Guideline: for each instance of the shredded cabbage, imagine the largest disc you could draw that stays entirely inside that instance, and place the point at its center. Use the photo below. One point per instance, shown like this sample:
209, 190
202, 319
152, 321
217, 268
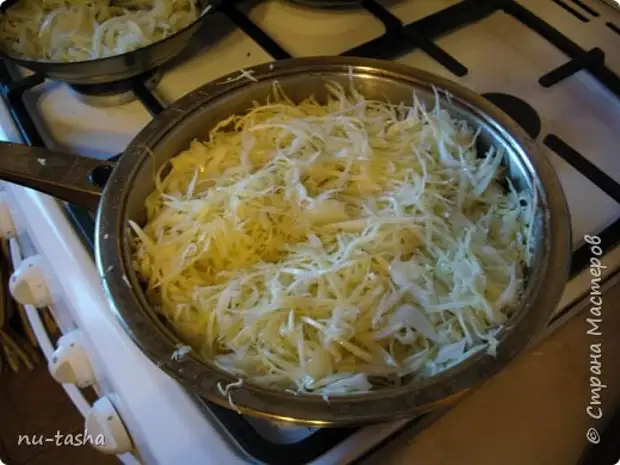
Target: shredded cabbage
336, 248
80, 30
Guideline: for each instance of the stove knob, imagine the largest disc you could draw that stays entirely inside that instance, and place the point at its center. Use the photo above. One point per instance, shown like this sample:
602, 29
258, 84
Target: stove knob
69, 363
7, 226
27, 285
105, 430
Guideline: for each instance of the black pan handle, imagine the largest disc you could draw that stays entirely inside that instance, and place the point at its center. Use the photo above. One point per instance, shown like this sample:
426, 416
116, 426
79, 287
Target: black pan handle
74, 178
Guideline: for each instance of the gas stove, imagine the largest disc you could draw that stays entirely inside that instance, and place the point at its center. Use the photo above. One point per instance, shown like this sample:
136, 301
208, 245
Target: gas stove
553, 66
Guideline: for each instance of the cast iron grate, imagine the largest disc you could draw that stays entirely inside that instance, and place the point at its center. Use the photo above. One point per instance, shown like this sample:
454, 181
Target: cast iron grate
397, 39
571, 10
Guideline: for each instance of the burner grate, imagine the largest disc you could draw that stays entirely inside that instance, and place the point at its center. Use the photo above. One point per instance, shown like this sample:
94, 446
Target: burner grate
13, 92
571, 10
596, 67
589, 60
256, 33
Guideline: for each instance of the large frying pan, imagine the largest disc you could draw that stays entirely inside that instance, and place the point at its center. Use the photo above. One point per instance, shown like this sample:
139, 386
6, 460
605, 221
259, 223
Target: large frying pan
132, 179
118, 67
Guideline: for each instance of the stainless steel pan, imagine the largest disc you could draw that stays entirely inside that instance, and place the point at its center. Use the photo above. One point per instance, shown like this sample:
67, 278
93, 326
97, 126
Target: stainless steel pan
131, 180
118, 67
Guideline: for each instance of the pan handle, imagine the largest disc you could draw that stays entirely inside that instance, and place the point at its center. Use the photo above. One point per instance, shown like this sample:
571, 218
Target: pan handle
74, 178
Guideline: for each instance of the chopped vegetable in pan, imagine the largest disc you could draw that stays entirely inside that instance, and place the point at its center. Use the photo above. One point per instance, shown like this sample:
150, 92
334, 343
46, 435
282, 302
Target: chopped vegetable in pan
80, 30
336, 248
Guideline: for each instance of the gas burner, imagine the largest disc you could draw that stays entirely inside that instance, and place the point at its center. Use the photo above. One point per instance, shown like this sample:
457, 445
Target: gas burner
520, 111
114, 93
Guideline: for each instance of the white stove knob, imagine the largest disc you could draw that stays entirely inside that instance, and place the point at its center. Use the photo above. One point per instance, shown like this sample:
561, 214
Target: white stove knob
69, 363
7, 226
105, 430
27, 284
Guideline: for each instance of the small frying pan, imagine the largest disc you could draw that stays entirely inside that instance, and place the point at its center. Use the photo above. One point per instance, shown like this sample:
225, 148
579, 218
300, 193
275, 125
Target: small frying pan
118, 67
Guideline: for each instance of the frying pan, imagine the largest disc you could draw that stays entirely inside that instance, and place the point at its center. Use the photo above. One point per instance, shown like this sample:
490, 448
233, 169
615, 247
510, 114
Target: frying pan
69, 177
118, 67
